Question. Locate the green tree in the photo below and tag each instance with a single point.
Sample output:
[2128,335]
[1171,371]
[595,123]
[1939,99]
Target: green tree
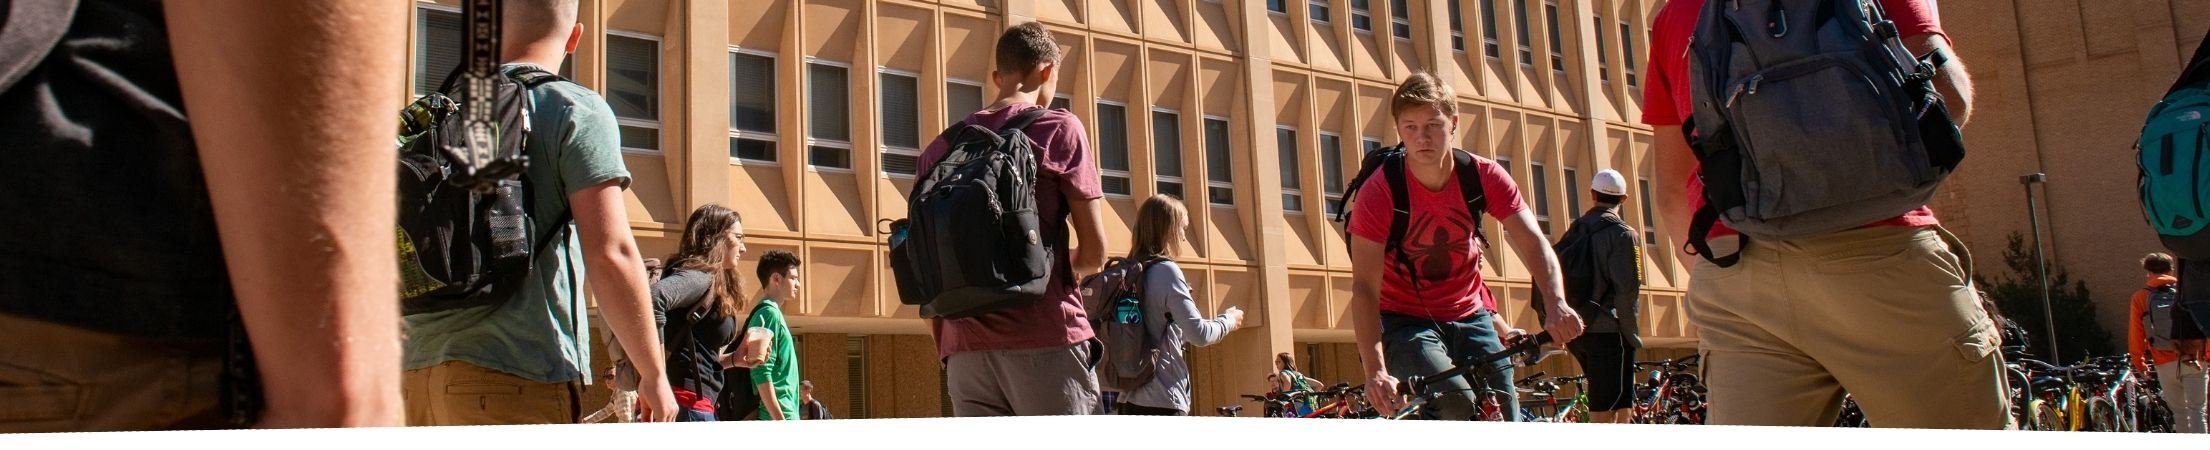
[2019,296]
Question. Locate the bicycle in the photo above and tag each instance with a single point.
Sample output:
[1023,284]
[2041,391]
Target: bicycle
[1672,395]
[1488,404]
[1544,388]
[1851,416]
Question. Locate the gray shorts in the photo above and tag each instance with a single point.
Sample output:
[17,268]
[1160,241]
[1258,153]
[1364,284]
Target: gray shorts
[1050,381]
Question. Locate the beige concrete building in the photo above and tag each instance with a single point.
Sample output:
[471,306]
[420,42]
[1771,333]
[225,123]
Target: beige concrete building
[2064,86]
[806,116]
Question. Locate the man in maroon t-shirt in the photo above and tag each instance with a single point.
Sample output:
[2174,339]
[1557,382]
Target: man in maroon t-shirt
[1036,359]
[1885,311]
[1420,310]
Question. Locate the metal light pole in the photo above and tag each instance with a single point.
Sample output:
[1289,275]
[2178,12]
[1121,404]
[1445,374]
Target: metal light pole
[2041,263]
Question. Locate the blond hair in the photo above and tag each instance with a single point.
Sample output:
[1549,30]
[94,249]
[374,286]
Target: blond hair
[1423,90]
[1159,221]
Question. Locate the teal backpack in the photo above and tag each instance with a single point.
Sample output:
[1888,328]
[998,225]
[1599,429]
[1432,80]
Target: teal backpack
[2175,162]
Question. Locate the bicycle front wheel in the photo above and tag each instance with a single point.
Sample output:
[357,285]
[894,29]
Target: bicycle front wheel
[2043,416]
[2101,415]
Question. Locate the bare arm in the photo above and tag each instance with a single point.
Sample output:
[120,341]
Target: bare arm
[1534,251]
[768,402]
[1675,163]
[298,168]
[617,278]
[1950,79]
[1368,261]
[1089,230]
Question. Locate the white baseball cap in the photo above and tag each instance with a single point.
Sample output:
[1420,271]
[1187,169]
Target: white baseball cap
[1609,182]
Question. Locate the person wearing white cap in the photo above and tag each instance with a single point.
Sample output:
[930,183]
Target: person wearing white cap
[1602,267]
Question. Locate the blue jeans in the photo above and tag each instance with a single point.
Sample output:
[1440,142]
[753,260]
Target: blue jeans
[693,415]
[1417,346]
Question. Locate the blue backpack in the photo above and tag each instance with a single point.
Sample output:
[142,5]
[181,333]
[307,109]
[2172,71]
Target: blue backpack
[2174,154]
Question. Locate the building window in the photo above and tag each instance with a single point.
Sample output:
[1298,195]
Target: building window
[829,104]
[1331,170]
[1626,50]
[1292,192]
[1400,19]
[1457,26]
[1112,147]
[1573,192]
[1166,150]
[1219,174]
[1557,37]
[633,88]
[1488,29]
[1277,6]
[901,122]
[1603,58]
[439,45]
[1362,16]
[1541,196]
[1061,102]
[1526,49]
[751,107]
[961,97]
[1649,225]
[1318,9]
[855,375]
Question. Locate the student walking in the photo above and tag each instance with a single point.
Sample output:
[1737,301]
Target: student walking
[697,305]
[776,379]
[2149,339]
[1036,358]
[1883,306]
[1162,227]
[1418,303]
[812,409]
[1602,265]
[525,359]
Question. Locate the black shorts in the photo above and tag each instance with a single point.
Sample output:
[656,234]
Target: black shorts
[1608,361]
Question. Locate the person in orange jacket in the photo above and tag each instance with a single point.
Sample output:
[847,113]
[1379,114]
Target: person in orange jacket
[2183,381]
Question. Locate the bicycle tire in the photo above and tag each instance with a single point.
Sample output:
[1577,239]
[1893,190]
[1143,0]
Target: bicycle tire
[2155,415]
[2102,415]
[2043,416]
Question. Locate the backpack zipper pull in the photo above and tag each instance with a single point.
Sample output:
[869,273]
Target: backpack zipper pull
[1749,87]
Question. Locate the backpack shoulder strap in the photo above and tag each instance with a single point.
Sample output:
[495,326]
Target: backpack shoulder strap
[1400,216]
[533,76]
[1699,241]
[1470,188]
[2197,68]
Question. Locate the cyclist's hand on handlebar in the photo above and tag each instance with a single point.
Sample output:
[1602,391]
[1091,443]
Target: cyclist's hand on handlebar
[1563,326]
[1381,393]
[1512,334]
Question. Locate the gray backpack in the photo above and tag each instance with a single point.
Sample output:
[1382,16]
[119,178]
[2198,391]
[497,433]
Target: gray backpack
[1811,117]
[2157,315]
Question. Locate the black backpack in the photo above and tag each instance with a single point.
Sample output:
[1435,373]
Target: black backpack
[1389,162]
[1578,268]
[464,200]
[1114,299]
[739,398]
[973,242]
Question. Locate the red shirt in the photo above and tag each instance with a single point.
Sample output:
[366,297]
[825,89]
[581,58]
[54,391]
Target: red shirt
[1439,241]
[1666,101]
[1065,170]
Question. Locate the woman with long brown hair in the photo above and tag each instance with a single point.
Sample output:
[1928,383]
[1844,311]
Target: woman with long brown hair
[698,301]
[1162,227]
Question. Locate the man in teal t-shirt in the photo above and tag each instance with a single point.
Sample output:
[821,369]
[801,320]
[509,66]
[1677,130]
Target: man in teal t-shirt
[776,379]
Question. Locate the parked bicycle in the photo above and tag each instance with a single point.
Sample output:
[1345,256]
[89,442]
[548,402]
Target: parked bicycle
[1545,407]
[1671,394]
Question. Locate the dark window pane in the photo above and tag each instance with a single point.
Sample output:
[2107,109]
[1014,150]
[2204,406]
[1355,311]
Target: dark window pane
[1542,191]
[1114,184]
[1112,137]
[1224,196]
[829,99]
[1557,38]
[1057,103]
[1286,140]
[1488,19]
[641,138]
[1217,161]
[439,47]
[1573,192]
[962,99]
[831,157]
[752,92]
[1280,6]
[900,164]
[752,149]
[1292,202]
[633,77]
[1171,188]
[1457,24]
[1362,21]
[901,111]
[1331,163]
[1318,10]
[1166,143]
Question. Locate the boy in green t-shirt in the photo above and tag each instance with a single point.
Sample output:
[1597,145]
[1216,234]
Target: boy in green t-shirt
[777,378]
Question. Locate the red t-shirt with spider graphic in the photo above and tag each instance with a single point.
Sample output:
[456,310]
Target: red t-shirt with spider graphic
[1439,242]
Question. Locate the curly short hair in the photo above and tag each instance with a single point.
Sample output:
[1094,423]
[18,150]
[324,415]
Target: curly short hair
[776,262]
[1026,47]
